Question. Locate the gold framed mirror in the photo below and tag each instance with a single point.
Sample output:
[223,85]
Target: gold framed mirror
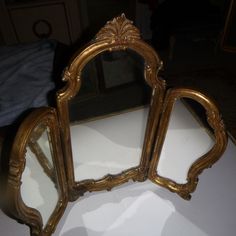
[40,184]
[118,35]
[36,191]
[192,149]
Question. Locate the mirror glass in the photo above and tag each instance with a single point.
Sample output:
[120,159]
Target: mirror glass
[114,65]
[109,145]
[39,187]
[111,141]
[187,139]
[111,82]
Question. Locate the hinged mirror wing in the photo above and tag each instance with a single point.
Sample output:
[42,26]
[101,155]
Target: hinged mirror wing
[117,38]
[36,191]
[184,148]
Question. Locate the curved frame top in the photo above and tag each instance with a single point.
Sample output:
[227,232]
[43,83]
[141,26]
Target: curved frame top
[118,34]
[205,161]
[15,205]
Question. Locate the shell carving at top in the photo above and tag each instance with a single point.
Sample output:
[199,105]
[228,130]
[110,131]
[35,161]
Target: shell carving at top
[120,29]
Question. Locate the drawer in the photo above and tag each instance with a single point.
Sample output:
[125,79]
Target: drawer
[45,21]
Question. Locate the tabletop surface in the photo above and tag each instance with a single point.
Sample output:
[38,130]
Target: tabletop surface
[145,208]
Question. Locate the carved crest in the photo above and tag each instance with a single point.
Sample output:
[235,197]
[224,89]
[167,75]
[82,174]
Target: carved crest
[119,29]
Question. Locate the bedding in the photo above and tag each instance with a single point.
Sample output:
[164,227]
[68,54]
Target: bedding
[25,78]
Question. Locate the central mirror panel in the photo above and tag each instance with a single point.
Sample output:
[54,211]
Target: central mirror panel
[112,143]
[109,141]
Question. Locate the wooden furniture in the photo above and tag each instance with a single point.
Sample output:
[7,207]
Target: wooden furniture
[69,22]
[42,215]
[28,21]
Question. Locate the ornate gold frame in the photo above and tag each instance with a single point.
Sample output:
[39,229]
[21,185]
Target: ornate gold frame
[205,161]
[14,203]
[118,34]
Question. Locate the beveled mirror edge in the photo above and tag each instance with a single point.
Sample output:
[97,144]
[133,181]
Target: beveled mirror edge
[118,34]
[14,205]
[205,161]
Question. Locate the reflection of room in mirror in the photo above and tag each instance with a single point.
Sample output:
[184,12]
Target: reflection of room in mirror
[38,190]
[186,141]
[44,143]
[40,144]
[121,67]
[109,145]
[89,80]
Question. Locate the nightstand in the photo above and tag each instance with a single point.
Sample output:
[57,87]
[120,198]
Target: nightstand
[28,21]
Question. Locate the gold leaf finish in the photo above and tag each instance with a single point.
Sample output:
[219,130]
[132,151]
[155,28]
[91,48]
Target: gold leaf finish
[207,160]
[118,34]
[14,205]
[120,29]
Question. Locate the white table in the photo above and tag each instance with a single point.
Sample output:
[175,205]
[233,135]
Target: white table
[146,209]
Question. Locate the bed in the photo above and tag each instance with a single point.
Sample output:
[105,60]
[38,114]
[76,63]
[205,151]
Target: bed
[26,78]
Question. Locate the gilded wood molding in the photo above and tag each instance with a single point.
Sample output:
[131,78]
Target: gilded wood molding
[120,29]
[207,160]
[15,206]
[118,34]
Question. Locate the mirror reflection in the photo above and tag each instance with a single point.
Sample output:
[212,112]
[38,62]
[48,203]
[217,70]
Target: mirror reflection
[39,182]
[111,82]
[186,140]
[78,106]
[109,145]
[111,140]
[121,67]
